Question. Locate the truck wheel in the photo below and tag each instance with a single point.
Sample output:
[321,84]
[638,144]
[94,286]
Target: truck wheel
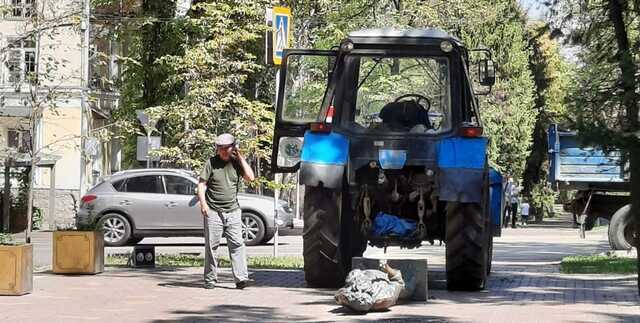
[466,247]
[621,229]
[323,265]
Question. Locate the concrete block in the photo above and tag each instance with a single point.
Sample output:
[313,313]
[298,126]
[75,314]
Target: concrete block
[414,272]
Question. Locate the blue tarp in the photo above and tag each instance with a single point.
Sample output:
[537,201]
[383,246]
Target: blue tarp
[386,224]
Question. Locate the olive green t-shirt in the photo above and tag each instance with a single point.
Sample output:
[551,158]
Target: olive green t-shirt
[223,178]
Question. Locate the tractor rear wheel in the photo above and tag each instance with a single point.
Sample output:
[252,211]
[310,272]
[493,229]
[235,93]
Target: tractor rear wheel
[323,264]
[466,247]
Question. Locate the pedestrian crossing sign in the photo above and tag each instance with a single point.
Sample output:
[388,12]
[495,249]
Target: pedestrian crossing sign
[281,32]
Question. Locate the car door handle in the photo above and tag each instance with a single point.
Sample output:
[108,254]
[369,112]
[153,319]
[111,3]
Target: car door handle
[171,204]
[125,202]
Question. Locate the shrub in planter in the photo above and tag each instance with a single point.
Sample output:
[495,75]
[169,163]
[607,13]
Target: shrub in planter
[16,266]
[78,250]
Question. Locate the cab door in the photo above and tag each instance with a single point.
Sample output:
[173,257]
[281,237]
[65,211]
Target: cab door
[302,89]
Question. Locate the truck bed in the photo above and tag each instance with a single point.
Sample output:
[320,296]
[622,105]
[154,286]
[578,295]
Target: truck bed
[574,166]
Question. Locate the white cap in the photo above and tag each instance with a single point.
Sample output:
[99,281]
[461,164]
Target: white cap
[225,139]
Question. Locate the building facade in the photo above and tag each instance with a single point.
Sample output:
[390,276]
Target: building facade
[49,66]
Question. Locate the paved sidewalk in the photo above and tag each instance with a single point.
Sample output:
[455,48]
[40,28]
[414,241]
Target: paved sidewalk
[525,286]
[515,295]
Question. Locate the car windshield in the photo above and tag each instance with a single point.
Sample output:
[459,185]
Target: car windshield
[403,94]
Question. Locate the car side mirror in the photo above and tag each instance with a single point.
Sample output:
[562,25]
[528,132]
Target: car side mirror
[195,190]
[486,72]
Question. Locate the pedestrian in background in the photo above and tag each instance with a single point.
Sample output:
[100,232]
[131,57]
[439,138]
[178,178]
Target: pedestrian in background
[524,213]
[218,195]
[511,194]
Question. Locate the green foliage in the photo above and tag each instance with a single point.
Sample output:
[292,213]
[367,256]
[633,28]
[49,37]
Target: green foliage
[542,198]
[6,239]
[37,218]
[598,265]
[206,81]
[551,74]
[19,205]
[261,262]
[551,77]
[603,95]
[90,226]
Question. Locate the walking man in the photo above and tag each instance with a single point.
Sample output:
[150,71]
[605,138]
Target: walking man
[218,195]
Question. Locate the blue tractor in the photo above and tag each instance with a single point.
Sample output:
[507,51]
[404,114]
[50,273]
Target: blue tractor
[388,124]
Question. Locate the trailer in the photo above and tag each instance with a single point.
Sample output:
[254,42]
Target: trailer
[601,182]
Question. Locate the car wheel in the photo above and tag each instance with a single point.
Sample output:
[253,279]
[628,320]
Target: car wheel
[253,229]
[116,228]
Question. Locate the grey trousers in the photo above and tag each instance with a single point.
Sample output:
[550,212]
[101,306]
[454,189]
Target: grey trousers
[229,225]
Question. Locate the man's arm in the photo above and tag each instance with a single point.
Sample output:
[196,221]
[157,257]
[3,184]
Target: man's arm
[247,172]
[202,187]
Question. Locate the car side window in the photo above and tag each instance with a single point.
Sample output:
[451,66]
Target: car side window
[119,185]
[179,185]
[143,184]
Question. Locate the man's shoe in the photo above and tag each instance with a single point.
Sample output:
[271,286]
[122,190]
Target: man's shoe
[244,283]
[209,285]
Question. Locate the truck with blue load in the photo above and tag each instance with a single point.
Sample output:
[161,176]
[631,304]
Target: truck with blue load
[387,125]
[600,180]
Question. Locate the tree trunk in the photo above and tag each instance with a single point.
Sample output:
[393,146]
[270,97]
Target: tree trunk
[630,103]
[533,169]
[30,199]
[537,156]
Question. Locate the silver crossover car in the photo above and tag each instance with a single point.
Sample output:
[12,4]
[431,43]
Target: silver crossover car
[134,204]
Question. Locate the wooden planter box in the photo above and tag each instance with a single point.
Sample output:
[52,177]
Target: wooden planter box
[78,252]
[16,269]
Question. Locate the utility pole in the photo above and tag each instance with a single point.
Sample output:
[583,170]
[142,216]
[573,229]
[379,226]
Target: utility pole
[85,25]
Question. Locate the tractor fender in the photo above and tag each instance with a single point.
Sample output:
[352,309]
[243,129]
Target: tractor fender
[323,160]
[462,169]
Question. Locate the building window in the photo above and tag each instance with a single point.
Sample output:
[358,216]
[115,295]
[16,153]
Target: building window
[19,9]
[19,139]
[21,60]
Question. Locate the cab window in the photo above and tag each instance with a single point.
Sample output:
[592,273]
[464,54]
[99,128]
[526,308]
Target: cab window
[403,94]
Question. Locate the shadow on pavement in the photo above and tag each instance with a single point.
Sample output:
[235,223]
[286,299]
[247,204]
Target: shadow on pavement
[237,313]
[507,285]
[626,318]
[232,313]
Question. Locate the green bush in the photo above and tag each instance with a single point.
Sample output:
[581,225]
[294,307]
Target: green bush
[542,199]
[284,262]
[37,218]
[6,239]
